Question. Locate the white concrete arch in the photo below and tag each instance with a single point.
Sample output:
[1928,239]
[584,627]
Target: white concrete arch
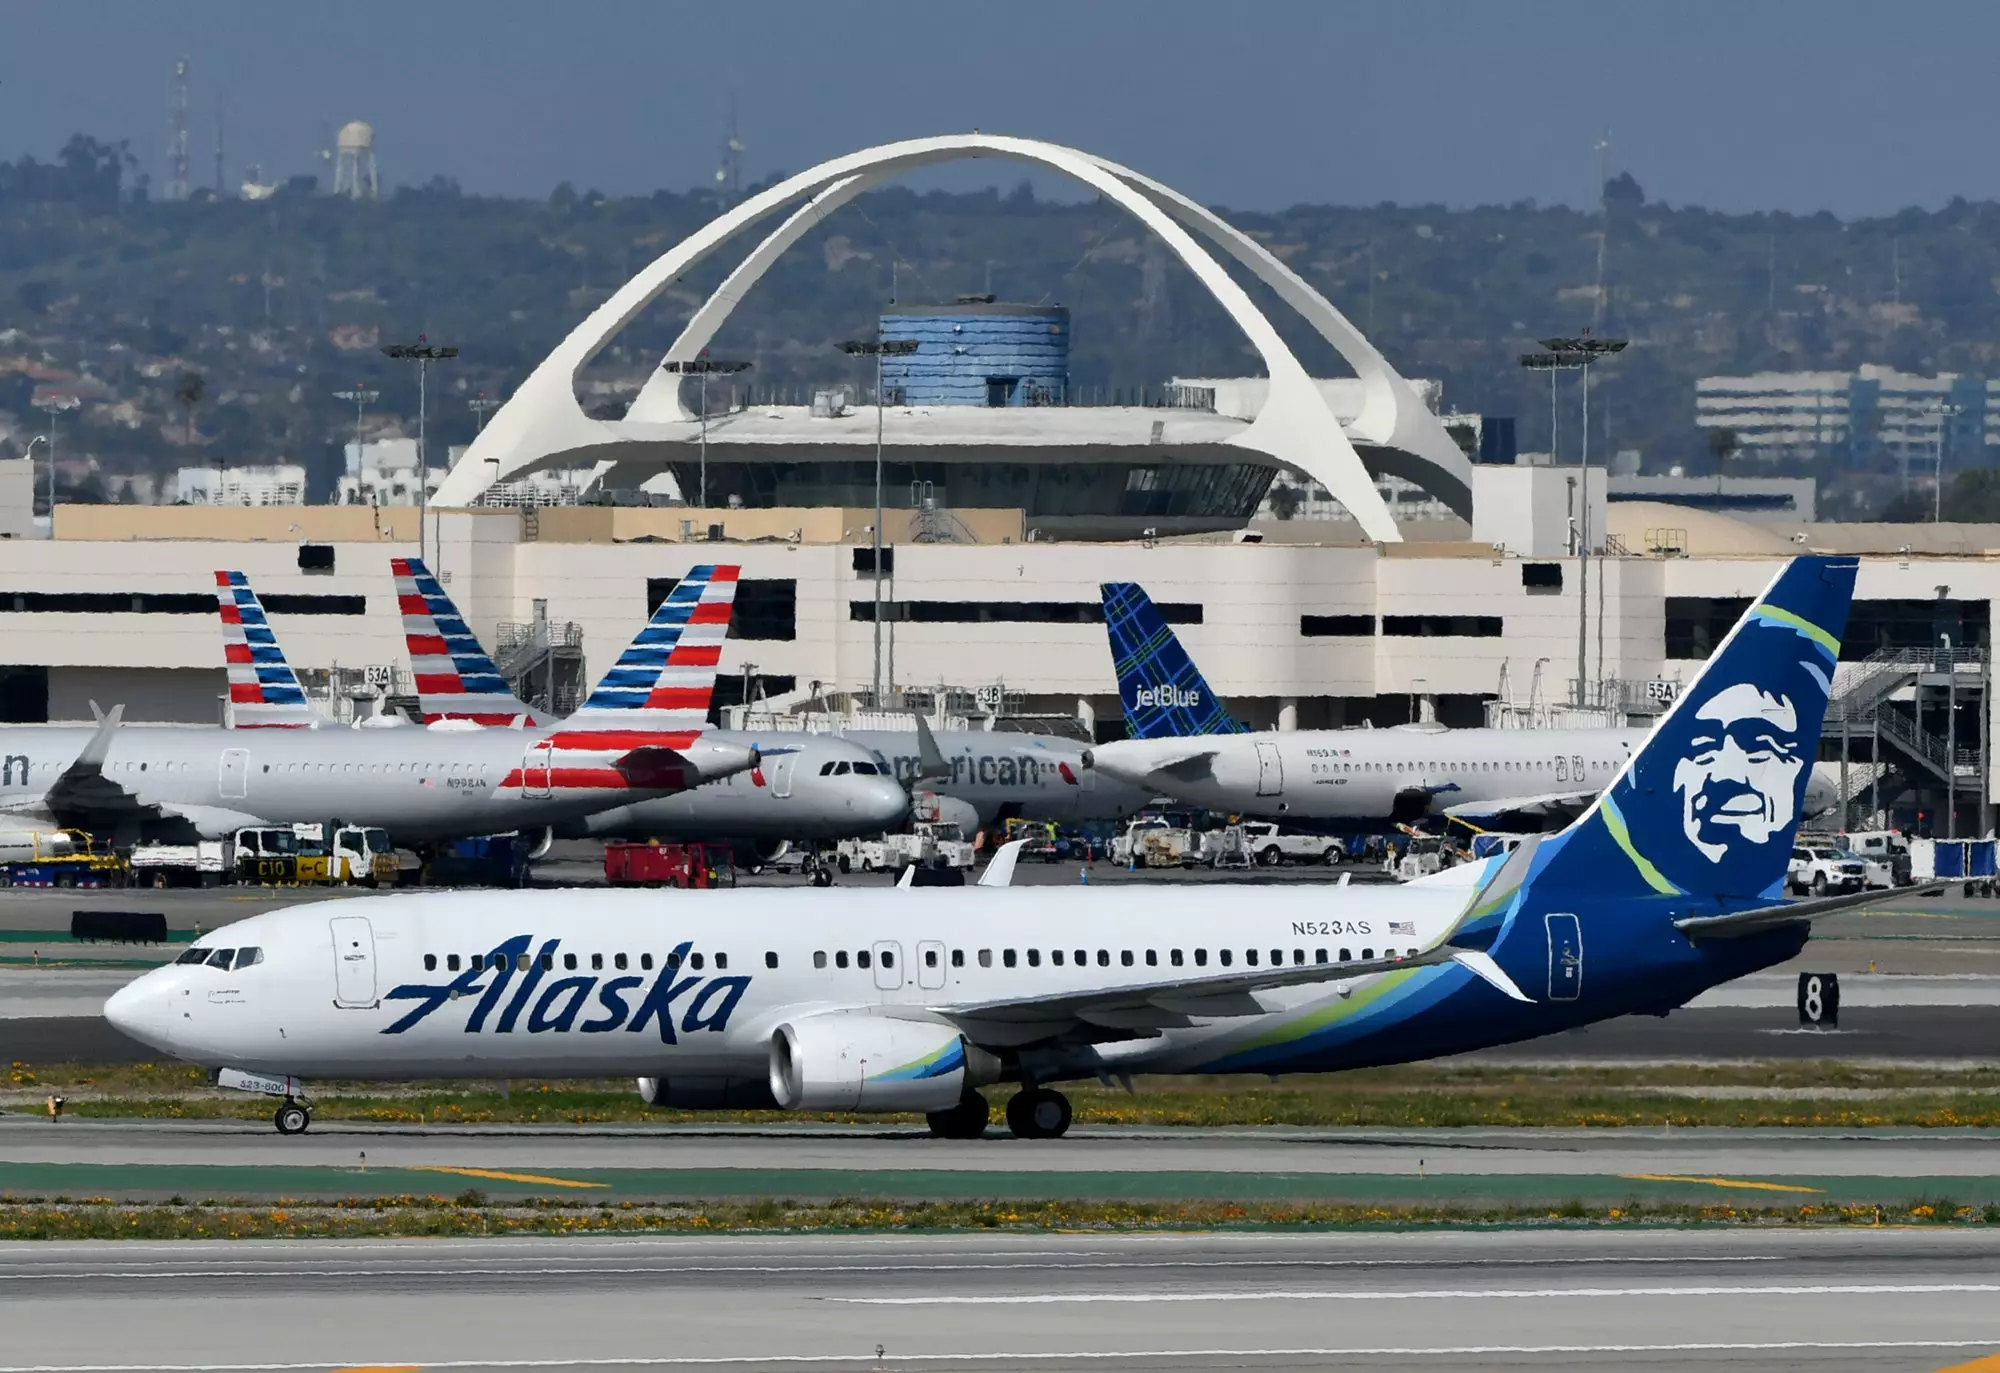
[542,425]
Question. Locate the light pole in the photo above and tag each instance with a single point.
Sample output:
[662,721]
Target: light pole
[480,405]
[1944,410]
[423,352]
[704,367]
[1579,353]
[360,398]
[53,406]
[878,348]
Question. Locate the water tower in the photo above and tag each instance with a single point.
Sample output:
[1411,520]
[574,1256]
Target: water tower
[354,162]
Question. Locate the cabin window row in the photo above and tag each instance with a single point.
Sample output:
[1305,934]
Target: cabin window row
[1101,958]
[1535,765]
[420,769]
[698,962]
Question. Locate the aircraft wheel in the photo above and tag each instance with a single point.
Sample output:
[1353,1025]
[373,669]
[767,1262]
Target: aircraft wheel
[967,1120]
[822,876]
[292,1118]
[1038,1113]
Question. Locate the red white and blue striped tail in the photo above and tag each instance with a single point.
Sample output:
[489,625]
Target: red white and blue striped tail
[456,680]
[666,679]
[264,692]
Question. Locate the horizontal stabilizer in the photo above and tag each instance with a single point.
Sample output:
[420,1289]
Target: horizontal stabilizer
[1737,924]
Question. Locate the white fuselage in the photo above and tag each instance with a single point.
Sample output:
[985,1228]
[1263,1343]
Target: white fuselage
[588,987]
[1360,774]
[1005,775]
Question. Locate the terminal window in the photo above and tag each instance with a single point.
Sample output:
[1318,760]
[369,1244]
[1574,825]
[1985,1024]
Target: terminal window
[1442,626]
[1542,576]
[1336,626]
[1010,612]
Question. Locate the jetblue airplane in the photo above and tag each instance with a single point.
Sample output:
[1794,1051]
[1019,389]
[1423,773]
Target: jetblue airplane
[1670,883]
[1184,745]
[274,768]
[808,787]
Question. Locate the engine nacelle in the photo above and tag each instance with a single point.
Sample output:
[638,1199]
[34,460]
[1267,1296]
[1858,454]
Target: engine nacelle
[707,1093]
[849,1062]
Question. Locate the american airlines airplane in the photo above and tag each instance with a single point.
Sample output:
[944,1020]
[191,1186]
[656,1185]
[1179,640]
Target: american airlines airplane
[1186,746]
[808,786]
[174,781]
[1670,883]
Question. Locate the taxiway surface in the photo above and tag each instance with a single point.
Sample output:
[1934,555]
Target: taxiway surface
[1828,1300]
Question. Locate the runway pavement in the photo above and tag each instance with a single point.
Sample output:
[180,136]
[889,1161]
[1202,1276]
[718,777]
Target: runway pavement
[1831,1300]
[1764,1167]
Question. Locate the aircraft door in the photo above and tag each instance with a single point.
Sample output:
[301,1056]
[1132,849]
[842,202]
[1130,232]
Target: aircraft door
[888,965]
[1565,957]
[536,770]
[1270,771]
[930,964]
[235,777]
[780,774]
[353,961]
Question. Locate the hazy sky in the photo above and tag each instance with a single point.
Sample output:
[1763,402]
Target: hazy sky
[1861,108]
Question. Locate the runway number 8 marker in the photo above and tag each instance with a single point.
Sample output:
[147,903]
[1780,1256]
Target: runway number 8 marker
[1819,1000]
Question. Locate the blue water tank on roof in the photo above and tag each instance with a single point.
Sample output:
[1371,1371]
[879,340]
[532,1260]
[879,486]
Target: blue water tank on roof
[978,351]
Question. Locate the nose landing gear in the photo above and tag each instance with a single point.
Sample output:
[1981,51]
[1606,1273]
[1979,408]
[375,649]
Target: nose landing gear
[293,1117]
[1038,1113]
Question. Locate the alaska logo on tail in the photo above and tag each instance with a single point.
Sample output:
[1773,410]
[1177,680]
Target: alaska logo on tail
[455,678]
[264,692]
[1164,693]
[1702,818]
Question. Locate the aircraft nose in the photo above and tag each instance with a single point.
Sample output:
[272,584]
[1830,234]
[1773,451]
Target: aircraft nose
[143,1009]
[883,803]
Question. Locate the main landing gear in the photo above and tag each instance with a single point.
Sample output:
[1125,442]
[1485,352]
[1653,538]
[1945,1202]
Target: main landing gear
[293,1117]
[1038,1113]
[1032,1113]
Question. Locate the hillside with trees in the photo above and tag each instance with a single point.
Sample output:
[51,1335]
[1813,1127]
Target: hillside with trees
[217,331]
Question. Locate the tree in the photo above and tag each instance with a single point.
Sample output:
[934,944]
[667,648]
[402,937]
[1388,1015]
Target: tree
[189,391]
[1722,446]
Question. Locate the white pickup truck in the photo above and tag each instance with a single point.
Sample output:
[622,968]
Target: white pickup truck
[1272,846]
[1820,869]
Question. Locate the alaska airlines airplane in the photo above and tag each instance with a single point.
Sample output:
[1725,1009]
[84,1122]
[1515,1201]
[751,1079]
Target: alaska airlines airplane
[125,784]
[807,787]
[1184,745]
[1670,883]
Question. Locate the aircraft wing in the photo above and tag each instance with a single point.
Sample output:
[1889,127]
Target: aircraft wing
[83,790]
[1548,805]
[1191,766]
[1172,1003]
[1737,924]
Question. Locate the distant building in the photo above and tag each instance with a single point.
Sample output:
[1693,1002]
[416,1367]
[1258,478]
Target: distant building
[1759,500]
[277,484]
[1874,416]
[383,472]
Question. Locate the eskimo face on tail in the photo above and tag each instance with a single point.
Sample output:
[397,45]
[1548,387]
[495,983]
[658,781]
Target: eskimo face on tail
[1741,781]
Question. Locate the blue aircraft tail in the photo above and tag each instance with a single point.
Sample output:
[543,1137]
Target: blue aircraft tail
[1164,693]
[1708,807]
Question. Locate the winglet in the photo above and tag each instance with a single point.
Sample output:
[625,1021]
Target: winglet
[99,748]
[909,877]
[264,692]
[1000,870]
[931,762]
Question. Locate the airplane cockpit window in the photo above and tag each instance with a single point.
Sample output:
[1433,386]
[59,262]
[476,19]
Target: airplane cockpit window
[826,769]
[193,956]
[842,768]
[222,958]
[865,769]
[247,957]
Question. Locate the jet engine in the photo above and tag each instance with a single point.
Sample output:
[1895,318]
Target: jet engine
[849,1062]
[706,1093]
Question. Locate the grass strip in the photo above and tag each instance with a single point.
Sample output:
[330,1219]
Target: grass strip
[1790,1094]
[470,1213]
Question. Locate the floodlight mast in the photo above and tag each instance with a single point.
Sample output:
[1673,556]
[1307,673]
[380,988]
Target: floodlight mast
[704,367]
[878,348]
[1566,355]
[423,352]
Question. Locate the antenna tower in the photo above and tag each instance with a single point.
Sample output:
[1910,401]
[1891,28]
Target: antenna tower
[729,176]
[177,134]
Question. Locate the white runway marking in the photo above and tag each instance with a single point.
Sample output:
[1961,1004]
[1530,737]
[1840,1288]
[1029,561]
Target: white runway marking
[987,1356]
[1438,1294]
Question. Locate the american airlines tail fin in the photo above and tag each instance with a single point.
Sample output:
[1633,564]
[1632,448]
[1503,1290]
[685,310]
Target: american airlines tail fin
[666,679]
[1707,808]
[264,692]
[455,678]
[1164,693]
